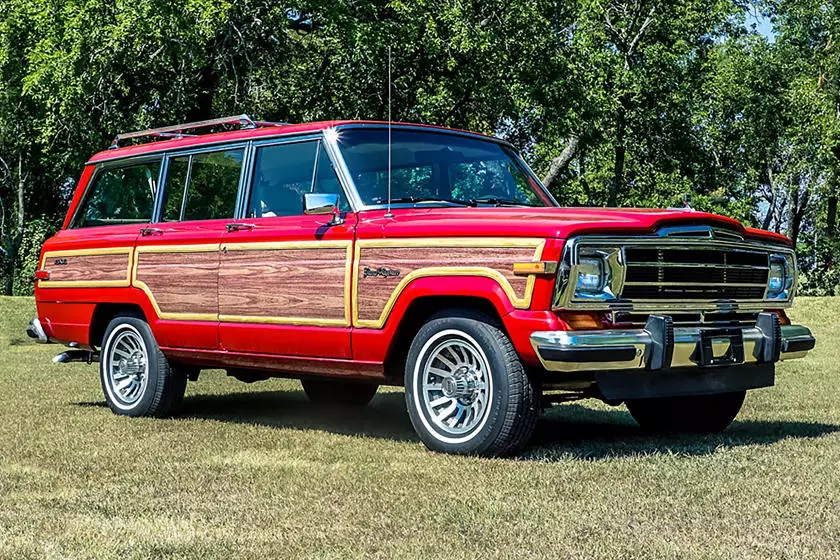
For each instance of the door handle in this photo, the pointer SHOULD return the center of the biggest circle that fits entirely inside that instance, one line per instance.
(239, 227)
(146, 231)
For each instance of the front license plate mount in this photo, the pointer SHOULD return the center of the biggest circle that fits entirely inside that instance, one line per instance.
(709, 338)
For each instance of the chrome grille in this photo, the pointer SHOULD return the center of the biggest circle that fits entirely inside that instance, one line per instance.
(694, 273)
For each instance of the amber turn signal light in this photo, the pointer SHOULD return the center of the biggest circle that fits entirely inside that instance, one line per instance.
(582, 320)
(539, 267)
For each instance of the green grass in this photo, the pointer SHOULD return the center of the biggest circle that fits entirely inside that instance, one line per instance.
(255, 471)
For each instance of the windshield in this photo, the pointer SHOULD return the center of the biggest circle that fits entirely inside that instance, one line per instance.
(428, 167)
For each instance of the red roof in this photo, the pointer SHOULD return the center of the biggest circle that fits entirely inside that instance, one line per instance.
(242, 134)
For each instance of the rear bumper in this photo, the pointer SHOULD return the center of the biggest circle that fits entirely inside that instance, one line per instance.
(36, 331)
(660, 346)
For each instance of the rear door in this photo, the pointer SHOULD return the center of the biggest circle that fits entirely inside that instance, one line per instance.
(284, 277)
(177, 258)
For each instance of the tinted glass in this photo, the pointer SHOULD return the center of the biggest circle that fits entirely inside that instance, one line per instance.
(436, 165)
(211, 180)
(213, 183)
(175, 183)
(284, 173)
(120, 195)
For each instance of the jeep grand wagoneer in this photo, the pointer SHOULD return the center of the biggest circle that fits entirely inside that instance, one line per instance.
(435, 260)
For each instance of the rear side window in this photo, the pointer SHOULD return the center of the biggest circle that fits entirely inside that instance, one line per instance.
(120, 195)
(283, 173)
(203, 186)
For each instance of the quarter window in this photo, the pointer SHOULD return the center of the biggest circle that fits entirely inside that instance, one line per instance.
(203, 186)
(120, 195)
(283, 173)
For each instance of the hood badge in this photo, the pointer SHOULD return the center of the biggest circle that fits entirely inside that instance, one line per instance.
(381, 271)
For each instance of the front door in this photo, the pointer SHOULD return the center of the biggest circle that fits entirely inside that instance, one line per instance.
(177, 258)
(284, 277)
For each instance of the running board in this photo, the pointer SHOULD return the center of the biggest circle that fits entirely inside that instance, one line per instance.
(68, 356)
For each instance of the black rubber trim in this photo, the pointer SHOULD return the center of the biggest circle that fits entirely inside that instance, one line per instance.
(588, 355)
(799, 345)
(679, 382)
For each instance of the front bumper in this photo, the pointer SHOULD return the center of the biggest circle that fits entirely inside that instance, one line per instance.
(660, 346)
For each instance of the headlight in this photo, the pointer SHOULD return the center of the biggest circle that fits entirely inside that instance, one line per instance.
(597, 271)
(780, 277)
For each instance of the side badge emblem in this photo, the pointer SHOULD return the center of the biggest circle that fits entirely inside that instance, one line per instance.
(60, 261)
(381, 271)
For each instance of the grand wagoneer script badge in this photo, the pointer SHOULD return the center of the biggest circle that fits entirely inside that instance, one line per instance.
(60, 261)
(381, 271)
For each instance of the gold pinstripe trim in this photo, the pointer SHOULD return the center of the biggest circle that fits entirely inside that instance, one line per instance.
(346, 244)
(128, 251)
(538, 244)
(203, 248)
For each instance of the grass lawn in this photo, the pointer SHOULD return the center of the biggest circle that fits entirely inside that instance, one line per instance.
(255, 471)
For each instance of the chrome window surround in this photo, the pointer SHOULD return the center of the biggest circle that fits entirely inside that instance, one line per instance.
(335, 151)
(674, 237)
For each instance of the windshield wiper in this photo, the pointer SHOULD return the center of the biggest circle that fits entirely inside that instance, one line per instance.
(497, 201)
(417, 199)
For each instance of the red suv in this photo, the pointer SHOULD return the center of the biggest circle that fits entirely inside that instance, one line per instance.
(354, 254)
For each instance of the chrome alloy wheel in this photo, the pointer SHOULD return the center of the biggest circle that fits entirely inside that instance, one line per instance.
(454, 386)
(127, 365)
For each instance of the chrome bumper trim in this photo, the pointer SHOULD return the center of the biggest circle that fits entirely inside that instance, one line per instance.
(36, 331)
(628, 349)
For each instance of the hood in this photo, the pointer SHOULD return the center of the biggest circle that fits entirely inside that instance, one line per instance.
(560, 223)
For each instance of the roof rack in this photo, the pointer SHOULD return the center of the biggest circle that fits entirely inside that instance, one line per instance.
(177, 130)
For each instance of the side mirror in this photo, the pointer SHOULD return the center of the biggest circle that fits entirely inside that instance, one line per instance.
(316, 204)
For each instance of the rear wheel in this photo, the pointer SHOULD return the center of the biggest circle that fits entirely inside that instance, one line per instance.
(704, 413)
(466, 390)
(136, 377)
(339, 391)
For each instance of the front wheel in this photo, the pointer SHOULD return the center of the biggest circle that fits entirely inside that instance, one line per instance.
(466, 390)
(136, 377)
(701, 414)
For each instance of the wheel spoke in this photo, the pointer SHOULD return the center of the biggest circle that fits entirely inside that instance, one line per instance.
(440, 372)
(439, 401)
(450, 364)
(458, 416)
(447, 412)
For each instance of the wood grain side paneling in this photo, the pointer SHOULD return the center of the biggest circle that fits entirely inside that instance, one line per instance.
(375, 293)
(93, 268)
(307, 286)
(180, 284)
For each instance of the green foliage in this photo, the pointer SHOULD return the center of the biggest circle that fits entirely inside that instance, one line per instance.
(628, 103)
(36, 232)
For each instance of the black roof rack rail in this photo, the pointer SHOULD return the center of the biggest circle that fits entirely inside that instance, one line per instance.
(177, 130)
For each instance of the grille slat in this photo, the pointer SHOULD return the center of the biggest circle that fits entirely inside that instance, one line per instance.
(694, 273)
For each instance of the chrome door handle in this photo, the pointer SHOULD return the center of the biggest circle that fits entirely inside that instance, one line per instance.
(146, 231)
(239, 227)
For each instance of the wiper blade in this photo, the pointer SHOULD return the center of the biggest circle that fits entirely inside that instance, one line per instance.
(417, 199)
(497, 201)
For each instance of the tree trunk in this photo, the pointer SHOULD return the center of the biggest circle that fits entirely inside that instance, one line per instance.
(561, 162)
(768, 218)
(14, 240)
(617, 183)
(796, 212)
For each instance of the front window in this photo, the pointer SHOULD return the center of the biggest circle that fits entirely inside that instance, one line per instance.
(428, 166)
